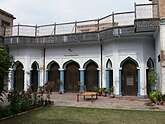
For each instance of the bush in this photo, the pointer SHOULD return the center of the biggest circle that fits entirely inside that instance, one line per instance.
(6, 111)
(155, 96)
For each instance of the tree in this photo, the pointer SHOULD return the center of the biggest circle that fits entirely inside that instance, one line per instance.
(5, 62)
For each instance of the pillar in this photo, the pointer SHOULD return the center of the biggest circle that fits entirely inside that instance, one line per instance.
(31, 79)
(62, 81)
(107, 78)
(138, 83)
(120, 82)
(38, 78)
(46, 76)
(82, 80)
(12, 80)
(99, 84)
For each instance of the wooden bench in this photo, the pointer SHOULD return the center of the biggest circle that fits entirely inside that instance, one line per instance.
(91, 94)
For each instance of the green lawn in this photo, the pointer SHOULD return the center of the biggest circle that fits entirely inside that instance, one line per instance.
(73, 115)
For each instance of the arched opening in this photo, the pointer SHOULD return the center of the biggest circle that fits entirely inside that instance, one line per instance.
(129, 77)
(109, 74)
(72, 77)
(91, 76)
(34, 77)
(54, 76)
(19, 77)
(150, 67)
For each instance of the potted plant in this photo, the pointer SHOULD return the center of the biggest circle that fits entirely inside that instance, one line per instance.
(97, 89)
(155, 96)
(111, 89)
(104, 92)
(152, 76)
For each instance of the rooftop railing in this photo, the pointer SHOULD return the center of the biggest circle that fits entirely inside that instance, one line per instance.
(142, 11)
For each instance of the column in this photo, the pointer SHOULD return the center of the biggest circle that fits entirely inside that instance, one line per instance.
(46, 76)
(62, 80)
(31, 79)
(81, 80)
(107, 78)
(12, 80)
(99, 84)
(138, 83)
(120, 82)
(38, 78)
(162, 55)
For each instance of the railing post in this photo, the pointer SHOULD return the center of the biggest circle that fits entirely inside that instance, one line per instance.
(35, 30)
(98, 24)
(113, 19)
(75, 27)
(158, 11)
(18, 29)
(135, 9)
(54, 28)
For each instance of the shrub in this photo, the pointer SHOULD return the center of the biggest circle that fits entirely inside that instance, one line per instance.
(155, 96)
(6, 111)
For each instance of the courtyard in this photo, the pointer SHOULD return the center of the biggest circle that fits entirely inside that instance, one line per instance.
(66, 109)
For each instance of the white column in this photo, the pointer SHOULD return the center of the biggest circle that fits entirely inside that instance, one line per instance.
(162, 56)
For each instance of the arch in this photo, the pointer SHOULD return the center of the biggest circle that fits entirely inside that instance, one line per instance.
(109, 64)
(130, 59)
(53, 75)
(70, 61)
(109, 74)
(129, 77)
(50, 63)
(150, 63)
(15, 65)
(91, 75)
(72, 76)
(35, 64)
(18, 77)
(90, 61)
(34, 76)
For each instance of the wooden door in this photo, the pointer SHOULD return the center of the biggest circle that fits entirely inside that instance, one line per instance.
(54, 76)
(72, 77)
(111, 79)
(91, 76)
(130, 81)
(19, 78)
(34, 78)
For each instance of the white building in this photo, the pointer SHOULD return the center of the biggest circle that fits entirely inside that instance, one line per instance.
(120, 55)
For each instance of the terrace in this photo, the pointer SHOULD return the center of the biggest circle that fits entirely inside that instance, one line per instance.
(144, 19)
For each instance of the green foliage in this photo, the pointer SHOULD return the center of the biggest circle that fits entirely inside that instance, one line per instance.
(22, 101)
(5, 62)
(152, 76)
(111, 89)
(78, 115)
(96, 89)
(6, 111)
(155, 96)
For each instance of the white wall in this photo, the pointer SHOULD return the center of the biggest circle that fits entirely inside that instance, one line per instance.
(140, 48)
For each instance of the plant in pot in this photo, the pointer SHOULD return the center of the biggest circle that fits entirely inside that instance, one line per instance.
(111, 89)
(97, 89)
(104, 92)
(155, 96)
(58, 83)
(152, 76)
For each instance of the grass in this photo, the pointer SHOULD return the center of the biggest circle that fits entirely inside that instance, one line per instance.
(73, 115)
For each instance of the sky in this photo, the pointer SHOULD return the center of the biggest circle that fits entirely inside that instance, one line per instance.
(42, 12)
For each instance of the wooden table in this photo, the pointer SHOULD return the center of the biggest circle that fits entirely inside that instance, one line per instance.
(91, 94)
